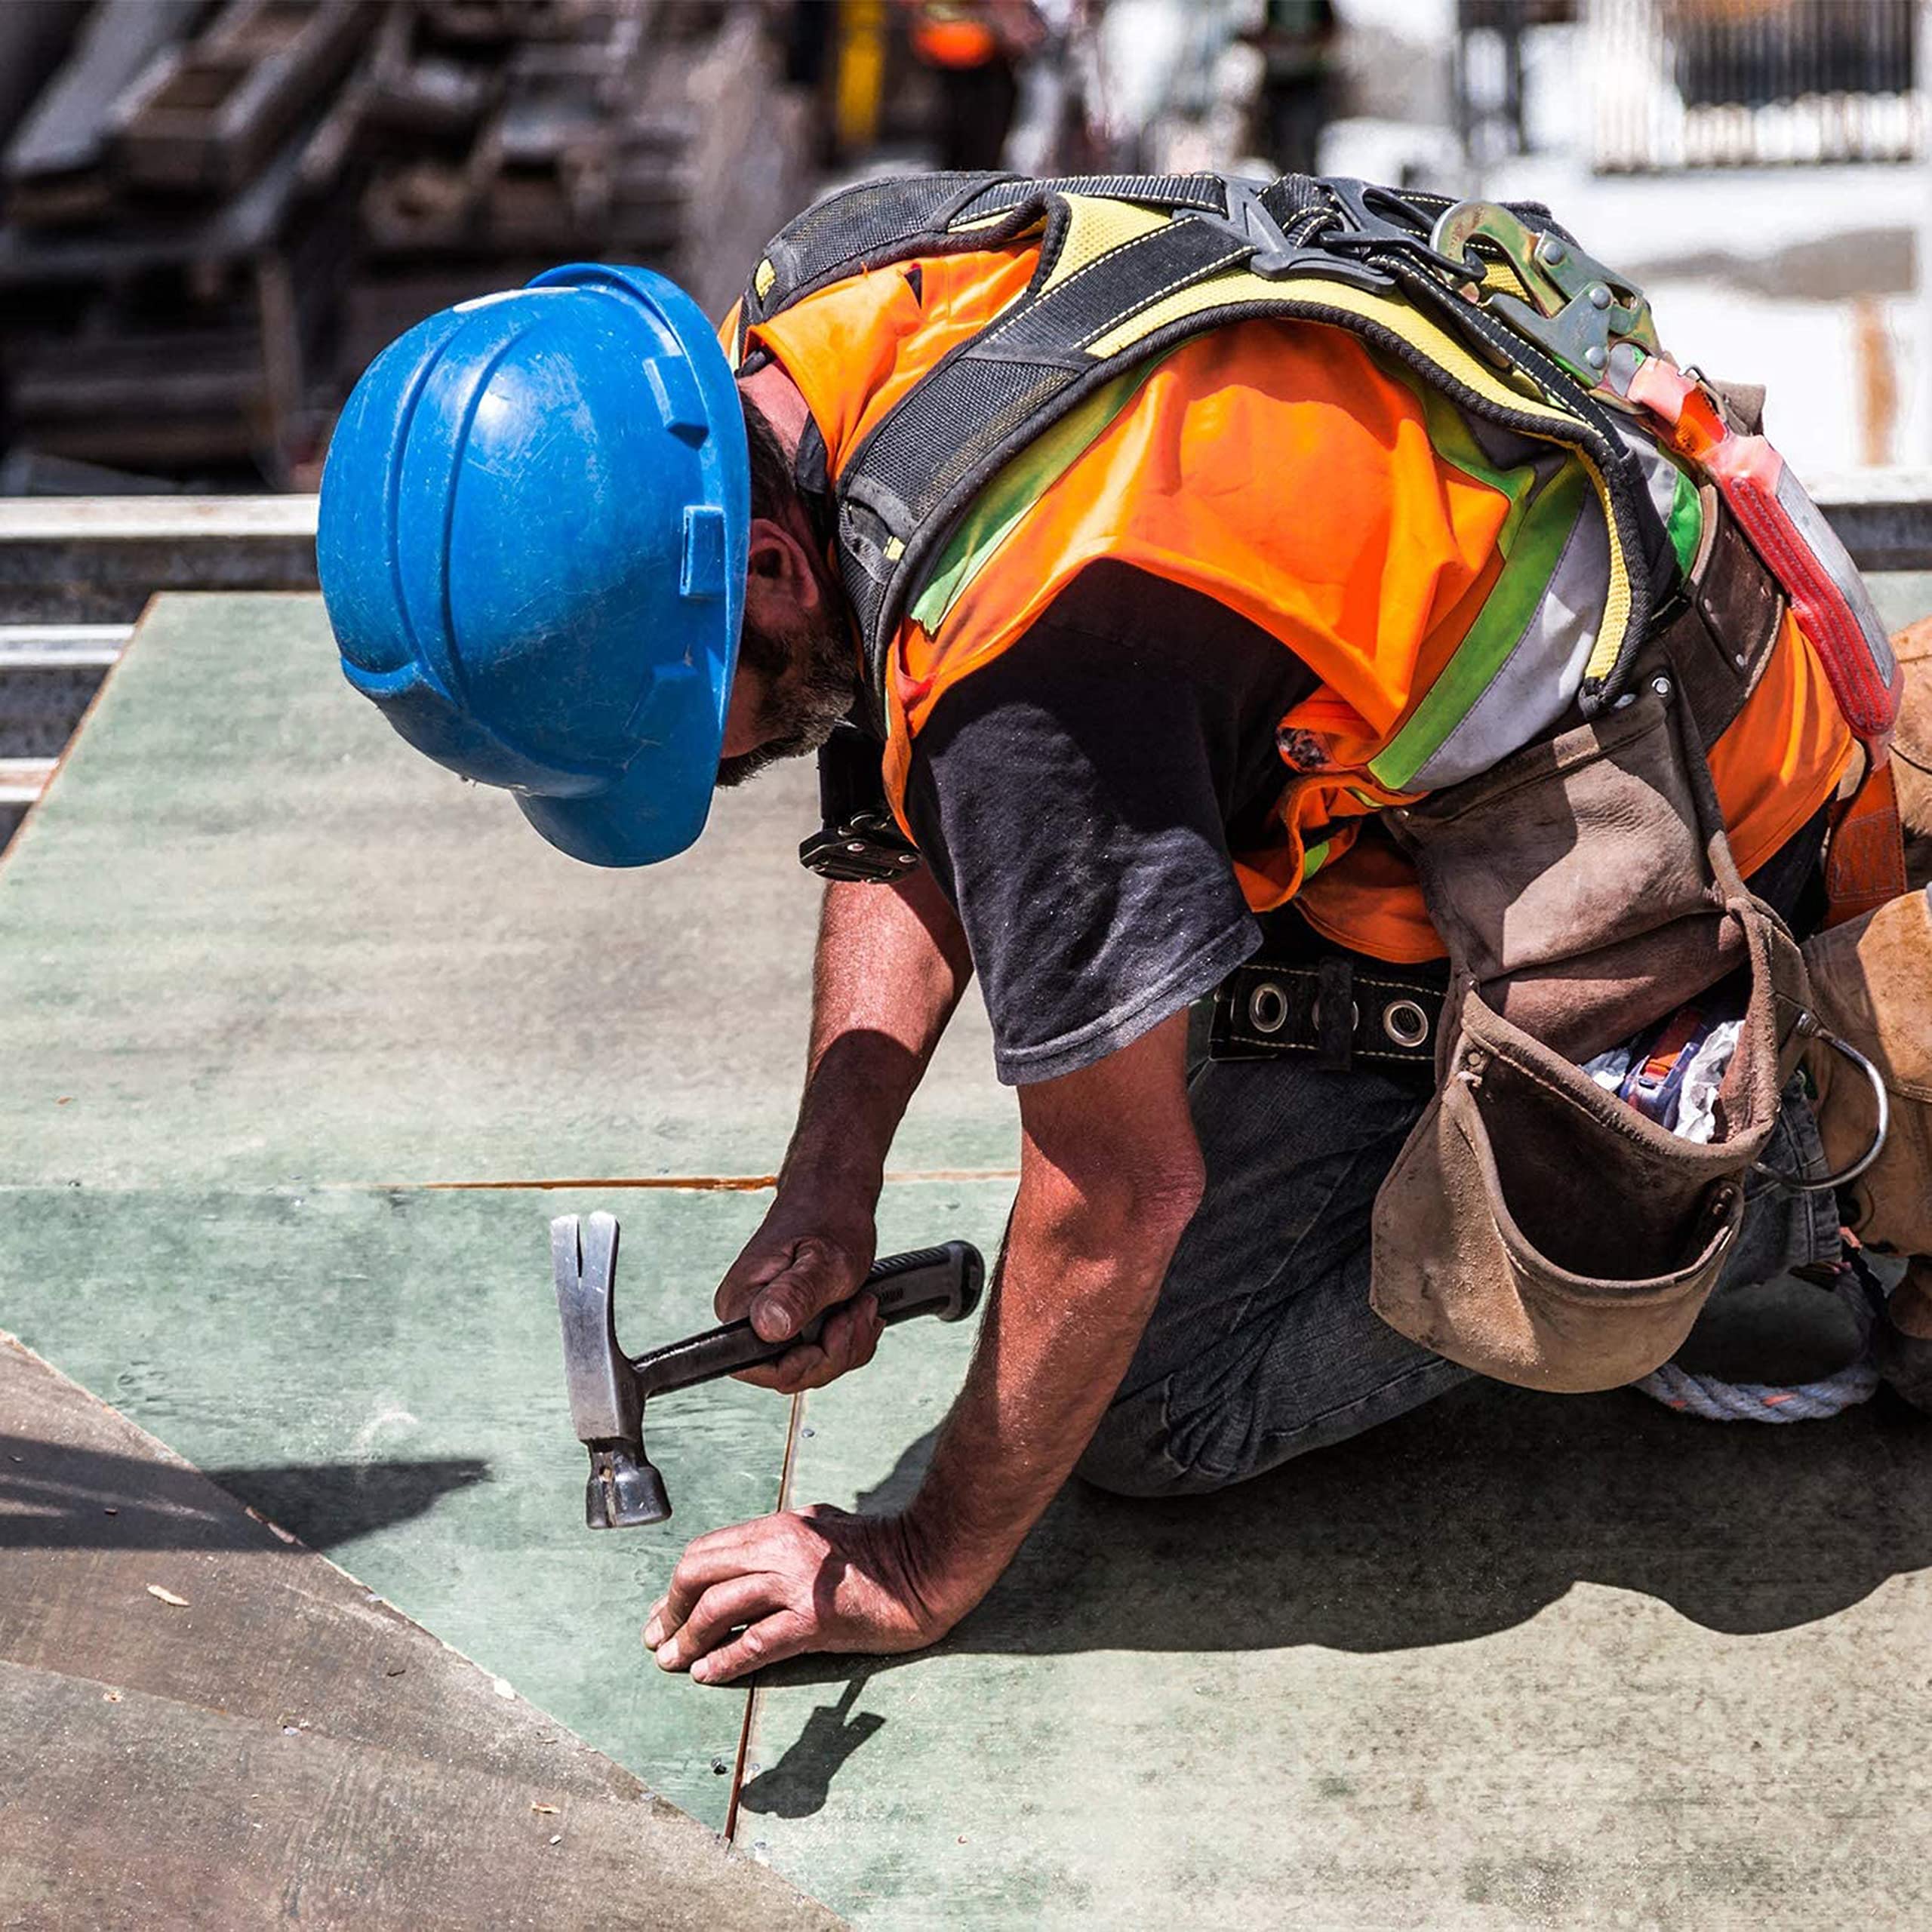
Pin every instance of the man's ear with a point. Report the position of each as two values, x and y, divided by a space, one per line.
780 568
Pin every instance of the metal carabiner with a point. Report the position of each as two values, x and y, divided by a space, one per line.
1810 1028
1577 309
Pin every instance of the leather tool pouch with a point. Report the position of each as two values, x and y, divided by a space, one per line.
1534 1227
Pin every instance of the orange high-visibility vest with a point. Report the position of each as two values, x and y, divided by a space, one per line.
1316 487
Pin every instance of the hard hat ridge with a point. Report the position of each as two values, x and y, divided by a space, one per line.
532 547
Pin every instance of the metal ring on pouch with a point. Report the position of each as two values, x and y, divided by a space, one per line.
1809 1027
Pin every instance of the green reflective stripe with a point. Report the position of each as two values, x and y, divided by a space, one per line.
1685 523
1015 490
1499 625
1455 442
1314 857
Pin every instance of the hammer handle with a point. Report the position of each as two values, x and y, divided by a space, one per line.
942 1281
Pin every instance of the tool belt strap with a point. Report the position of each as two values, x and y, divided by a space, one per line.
1328 1009
1865 861
1720 630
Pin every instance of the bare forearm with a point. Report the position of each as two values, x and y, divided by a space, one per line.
1077 1283
890 968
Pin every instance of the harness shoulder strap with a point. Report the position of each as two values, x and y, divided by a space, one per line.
1129 267
878 222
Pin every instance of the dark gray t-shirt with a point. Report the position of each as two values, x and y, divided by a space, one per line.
1078 798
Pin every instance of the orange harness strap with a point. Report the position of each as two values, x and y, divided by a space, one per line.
1865 862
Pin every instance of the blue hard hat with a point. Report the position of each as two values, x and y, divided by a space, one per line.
531 544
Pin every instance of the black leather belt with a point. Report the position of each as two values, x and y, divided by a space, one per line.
1330 1009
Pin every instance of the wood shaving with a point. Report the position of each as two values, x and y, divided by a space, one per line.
273 1528
547 1809
167 1596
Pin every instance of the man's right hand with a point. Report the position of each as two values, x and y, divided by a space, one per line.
809 1253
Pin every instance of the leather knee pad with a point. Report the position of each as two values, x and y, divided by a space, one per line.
1871 984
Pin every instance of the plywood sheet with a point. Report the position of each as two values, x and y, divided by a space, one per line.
268 1743
254 939
381 1374
1514 1660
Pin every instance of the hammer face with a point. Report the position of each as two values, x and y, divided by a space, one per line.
624 1489
604 1406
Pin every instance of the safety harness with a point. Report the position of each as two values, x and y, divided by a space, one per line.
1534 1227
1129 267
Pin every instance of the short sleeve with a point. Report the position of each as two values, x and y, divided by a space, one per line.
1072 798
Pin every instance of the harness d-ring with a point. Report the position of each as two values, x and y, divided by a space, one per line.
1810 1028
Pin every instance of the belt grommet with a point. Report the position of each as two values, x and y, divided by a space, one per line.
1405 1023
1267 1008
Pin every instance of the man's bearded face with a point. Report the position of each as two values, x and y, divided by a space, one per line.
808 683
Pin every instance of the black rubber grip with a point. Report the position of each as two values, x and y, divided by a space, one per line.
944 1281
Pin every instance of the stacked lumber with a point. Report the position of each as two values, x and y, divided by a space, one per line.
213 211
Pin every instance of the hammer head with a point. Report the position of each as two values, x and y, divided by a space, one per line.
625 1488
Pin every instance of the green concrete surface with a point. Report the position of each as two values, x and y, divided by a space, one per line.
1514 1660
253 940
268 977
379 1373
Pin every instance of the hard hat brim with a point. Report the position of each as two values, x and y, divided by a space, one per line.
648 816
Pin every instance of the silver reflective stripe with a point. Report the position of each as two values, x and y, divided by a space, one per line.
1535 683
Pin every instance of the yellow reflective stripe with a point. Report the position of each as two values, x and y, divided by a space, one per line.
1616 605
1096 227
993 220
1313 298
1316 299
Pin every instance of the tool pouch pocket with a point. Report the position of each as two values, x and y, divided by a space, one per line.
1535 1228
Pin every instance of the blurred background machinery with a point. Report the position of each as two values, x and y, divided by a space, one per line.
214 212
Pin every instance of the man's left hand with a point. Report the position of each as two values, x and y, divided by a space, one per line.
815 1579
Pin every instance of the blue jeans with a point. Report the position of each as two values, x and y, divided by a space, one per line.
1263 1344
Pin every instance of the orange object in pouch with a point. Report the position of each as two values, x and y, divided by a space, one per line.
1800 549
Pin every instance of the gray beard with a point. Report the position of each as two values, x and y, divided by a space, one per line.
813 691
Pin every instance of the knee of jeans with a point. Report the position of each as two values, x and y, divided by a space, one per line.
1129 1454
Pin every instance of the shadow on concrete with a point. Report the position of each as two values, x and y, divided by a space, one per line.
53 1496
1466 1518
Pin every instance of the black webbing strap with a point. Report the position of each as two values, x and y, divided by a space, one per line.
1331 1010
879 223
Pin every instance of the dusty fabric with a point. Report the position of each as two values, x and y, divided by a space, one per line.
1912 749
1081 800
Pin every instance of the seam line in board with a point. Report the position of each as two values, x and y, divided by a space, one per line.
754 1688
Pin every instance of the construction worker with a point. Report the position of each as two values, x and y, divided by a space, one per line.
1190 590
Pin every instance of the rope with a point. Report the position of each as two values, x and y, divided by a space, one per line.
1715 1400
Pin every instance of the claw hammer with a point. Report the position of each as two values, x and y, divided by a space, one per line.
608 1389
